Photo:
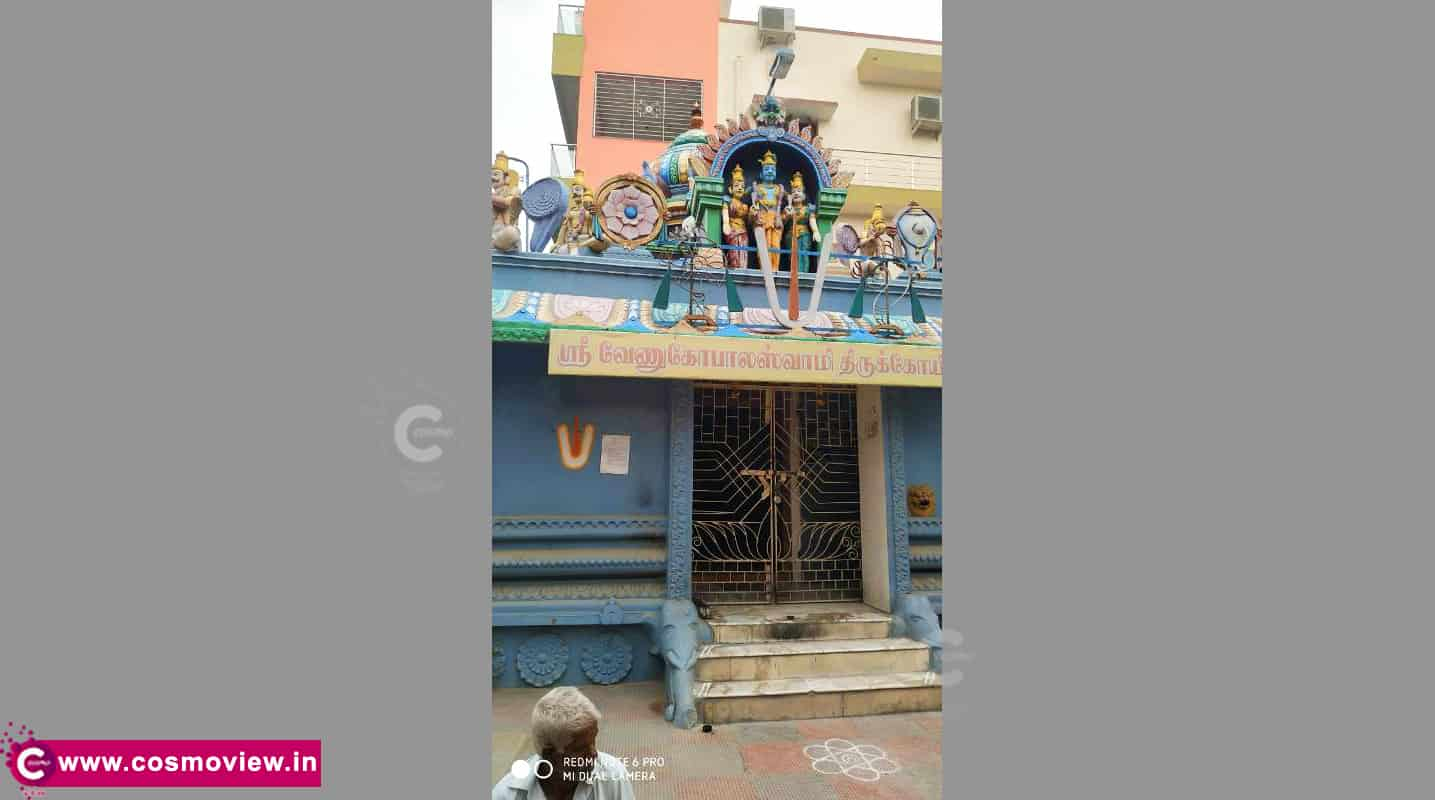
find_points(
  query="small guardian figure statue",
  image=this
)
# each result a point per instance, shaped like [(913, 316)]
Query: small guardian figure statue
[(767, 202), (735, 213), (803, 222), (878, 241), (593, 242), (576, 232), (507, 205)]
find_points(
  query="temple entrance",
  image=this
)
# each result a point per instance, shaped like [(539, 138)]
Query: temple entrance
[(776, 498)]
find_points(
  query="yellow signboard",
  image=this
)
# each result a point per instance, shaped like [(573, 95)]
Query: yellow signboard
[(723, 358)]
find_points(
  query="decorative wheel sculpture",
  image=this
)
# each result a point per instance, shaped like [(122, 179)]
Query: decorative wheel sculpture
[(542, 660), (630, 210), (607, 660)]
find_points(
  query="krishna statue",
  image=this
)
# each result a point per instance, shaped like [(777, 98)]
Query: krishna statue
[(767, 203)]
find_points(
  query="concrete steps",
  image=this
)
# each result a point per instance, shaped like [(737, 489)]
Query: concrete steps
[(809, 661), (733, 624), (818, 698), (814, 658)]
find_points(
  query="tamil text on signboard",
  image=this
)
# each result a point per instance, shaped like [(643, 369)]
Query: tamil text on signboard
[(648, 355)]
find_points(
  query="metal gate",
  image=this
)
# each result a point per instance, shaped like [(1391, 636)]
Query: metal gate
[(776, 511)]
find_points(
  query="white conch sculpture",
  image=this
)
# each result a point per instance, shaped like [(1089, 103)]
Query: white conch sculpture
[(779, 312)]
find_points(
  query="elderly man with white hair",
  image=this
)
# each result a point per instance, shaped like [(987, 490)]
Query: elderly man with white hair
[(568, 765)]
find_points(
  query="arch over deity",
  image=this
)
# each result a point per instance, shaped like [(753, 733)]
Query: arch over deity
[(743, 147)]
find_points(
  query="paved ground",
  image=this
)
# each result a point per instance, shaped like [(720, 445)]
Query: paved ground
[(745, 761)]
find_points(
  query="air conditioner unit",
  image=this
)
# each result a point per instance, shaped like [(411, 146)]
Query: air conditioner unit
[(775, 25), (927, 114)]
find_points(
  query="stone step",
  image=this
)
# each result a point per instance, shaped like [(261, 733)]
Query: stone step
[(760, 623), (810, 658), (721, 702)]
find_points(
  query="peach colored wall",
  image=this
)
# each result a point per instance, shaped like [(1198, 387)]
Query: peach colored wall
[(661, 38)]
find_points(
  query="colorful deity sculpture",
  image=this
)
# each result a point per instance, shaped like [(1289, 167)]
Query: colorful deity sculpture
[(802, 224), (576, 232), (735, 213), (767, 203), (594, 243), (879, 240), (507, 205)]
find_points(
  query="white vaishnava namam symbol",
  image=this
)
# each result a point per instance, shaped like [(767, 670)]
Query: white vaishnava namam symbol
[(575, 444), (812, 315), (861, 762)]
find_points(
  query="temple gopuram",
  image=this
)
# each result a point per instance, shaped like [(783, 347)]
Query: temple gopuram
[(717, 431)]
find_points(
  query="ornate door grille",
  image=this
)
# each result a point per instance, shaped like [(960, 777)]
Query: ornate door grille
[(776, 511)]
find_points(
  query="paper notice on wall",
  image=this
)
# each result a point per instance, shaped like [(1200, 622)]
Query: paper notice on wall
[(614, 458)]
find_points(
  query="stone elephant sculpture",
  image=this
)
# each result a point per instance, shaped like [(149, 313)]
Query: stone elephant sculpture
[(915, 619), (677, 635)]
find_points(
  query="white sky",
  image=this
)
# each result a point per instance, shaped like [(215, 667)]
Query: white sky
[(525, 111)]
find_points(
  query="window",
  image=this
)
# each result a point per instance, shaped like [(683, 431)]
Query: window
[(570, 20), (643, 107)]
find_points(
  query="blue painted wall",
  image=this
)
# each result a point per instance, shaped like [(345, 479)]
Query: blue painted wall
[(528, 404), (922, 429), (646, 667)]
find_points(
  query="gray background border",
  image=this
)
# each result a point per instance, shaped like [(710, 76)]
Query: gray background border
[(238, 239), (1188, 427)]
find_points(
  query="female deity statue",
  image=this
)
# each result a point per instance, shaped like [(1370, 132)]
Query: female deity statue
[(735, 213), (803, 222), (507, 204), (879, 240), (767, 202)]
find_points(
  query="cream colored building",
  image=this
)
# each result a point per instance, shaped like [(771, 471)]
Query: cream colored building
[(859, 91)]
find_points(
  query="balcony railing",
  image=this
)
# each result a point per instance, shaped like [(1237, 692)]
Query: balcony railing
[(896, 170), (570, 20), (561, 160)]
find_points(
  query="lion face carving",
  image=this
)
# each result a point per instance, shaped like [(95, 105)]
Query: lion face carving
[(921, 500)]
